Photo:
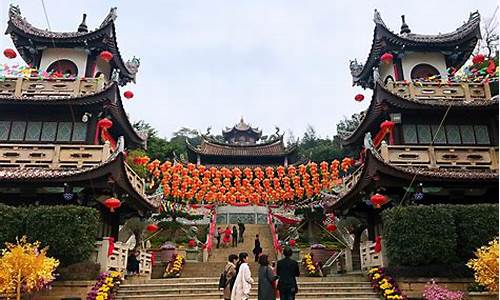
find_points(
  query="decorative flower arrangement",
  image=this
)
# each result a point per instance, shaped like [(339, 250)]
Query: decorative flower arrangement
[(385, 285), (485, 266), (105, 286), (313, 269), (175, 266), (432, 291), (236, 186)]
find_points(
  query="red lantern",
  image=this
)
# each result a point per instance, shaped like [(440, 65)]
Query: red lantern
[(152, 228), (331, 227), (477, 59), (106, 55), (105, 123), (387, 125), (9, 53), (378, 200), (386, 58), (191, 243), (292, 243), (128, 94), (359, 97), (112, 203)]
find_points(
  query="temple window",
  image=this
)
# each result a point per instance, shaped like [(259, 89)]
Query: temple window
[(421, 71), (64, 66), (38, 131), (448, 134)]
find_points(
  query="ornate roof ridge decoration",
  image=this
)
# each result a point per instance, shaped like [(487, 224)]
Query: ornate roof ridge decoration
[(464, 37), (25, 36), (242, 127), (212, 140), (383, 96)]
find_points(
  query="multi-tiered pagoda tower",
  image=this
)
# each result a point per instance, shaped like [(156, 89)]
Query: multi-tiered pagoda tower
[(241, 147), (63, 128), (427, 138)]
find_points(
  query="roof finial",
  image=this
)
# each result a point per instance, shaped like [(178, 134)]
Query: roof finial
[(83, 25), (405, 29)]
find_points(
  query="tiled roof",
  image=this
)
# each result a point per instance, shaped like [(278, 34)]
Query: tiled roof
[(465, 37), (104, 36), (273, 148)]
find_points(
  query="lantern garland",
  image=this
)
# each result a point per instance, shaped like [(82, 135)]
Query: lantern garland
[(191, 183)]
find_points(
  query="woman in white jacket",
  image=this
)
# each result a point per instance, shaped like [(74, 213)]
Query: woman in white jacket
[(243, 281)]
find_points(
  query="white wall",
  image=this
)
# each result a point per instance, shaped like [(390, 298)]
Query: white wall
[(411, 59), (77, 56), (385, 70), (103, 67)]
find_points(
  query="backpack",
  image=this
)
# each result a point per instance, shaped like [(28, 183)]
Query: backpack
[(222, 280)]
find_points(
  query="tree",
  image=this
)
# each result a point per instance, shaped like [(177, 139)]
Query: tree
[(347, 126), (356, 226), (136, 226), (24, 268), (485, 266), (489, 41)]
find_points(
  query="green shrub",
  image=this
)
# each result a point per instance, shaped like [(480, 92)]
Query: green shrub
[(12, 220), (419, 235), (475, 225), (69, 231)]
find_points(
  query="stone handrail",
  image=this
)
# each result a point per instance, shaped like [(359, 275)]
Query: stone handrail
[(33, 87), (136, 180), (459, 91), (465, 157), (369, 258), (116, 258), (350, 181), (52, 155)]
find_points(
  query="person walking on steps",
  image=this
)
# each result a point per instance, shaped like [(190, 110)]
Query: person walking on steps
[(229, 274), (243, 282), (226, 239), (266, 279), (241, 228), (287, 270), (235, 236), (257, 250), (218, 234)]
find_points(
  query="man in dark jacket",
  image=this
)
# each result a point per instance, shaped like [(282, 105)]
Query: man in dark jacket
[(287, 269)]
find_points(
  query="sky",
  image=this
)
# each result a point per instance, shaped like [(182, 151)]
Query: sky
[(278, 63)]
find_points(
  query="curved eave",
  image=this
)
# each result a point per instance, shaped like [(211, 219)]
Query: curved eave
[(114, 167), (383, 97), (25, 35), (271, 142), (374, 165), (465, 37)]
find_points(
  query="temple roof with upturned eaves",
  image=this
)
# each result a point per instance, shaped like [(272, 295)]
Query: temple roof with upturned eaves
[(456, 46), (29, 40)]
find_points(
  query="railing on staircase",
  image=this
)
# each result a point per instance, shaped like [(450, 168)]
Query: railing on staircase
[(369, 256), (276, 243), (112, 256), (207, 248)]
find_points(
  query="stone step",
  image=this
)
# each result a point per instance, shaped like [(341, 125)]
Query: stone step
[(200, 289), (218, 295), (298, 297), (341, 279)]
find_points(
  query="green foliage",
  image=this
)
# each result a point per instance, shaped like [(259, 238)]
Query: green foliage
[(69, 231), (437, 234), (417, 235), (475, 225), (138, 169), (12, 220)]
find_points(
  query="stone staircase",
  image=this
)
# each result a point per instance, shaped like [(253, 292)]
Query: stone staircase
[(346, 287), (218, 257)]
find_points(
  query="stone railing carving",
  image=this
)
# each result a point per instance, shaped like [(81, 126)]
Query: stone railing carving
[(369, 258), (467, 91), (465, 157), (135, 180), (33, 88), (115, 259), (53, 156)]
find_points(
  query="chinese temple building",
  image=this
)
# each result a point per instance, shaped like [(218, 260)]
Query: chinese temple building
[(63, 127), (427, 136), (241, 146)]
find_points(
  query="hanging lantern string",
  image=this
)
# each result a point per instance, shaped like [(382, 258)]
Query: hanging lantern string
[(430, 145)]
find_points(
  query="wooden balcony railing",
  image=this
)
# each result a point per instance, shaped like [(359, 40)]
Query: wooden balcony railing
[(370, 258), (58, 87), (464, 157), (136, 181), (460, 91), (53, 156)]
